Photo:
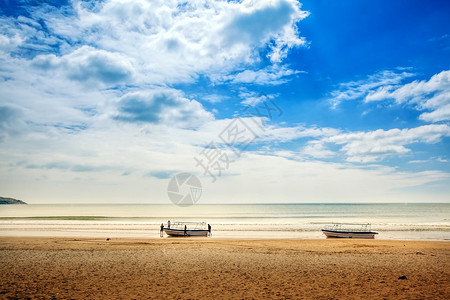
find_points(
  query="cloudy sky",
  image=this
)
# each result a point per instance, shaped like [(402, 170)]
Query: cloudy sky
[(265, 101)]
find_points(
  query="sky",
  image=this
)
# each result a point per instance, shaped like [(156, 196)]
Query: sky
[(273, 101)]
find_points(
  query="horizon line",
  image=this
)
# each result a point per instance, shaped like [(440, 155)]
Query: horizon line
[(257, 203)]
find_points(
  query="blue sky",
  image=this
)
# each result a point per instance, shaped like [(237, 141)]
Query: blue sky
[(104, 102)]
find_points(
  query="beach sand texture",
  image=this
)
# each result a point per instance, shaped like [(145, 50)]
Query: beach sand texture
[(194, 268)]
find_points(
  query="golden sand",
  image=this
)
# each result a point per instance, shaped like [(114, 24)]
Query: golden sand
[(193, 268)]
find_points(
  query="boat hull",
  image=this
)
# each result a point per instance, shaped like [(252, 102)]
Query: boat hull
[(349, 234), (180, 232)]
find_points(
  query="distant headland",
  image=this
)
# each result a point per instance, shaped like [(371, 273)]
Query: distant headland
[(4, 200)]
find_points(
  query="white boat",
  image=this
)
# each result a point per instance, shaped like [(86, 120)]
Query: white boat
[(187, 229), (349, 230)]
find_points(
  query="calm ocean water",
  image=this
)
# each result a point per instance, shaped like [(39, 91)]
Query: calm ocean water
[(392, 221)]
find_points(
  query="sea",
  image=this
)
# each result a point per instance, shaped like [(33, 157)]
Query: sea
[(406, 221)]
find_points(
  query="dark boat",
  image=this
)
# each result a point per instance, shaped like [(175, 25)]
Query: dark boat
[(186, 229), (349, 230)]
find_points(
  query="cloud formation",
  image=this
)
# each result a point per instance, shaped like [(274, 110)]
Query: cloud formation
[(119, 50), (431, 96), (165, 41), (274, 75), (371, 146), (361, 88), (87, 65), (162, 106)]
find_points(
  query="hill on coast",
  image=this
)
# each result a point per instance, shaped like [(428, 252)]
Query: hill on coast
[(4, 200)]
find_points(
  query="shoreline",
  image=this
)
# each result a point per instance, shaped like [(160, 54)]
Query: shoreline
[(186, 268), (4, 240), (167, 240), (400, 235)]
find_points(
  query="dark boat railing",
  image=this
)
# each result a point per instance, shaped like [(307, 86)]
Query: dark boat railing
[(189, 226), (349, 227)]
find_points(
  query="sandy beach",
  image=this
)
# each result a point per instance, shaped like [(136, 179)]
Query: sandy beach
[(189, 268)]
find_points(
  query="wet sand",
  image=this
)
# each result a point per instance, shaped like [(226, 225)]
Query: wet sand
[(193, 268)]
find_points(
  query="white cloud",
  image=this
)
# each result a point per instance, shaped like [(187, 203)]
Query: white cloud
[(7, 44), (25, 37), (174, 41), (430, 96), (87, 65), (214, 98), (274, 75), (49, 99), (440, 114), (262, 22), (362, 88), (427, 95), (284, 134), (376, 145), (253, 98), (418, 161), (161, 106), (317, 149), (415, 91)]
